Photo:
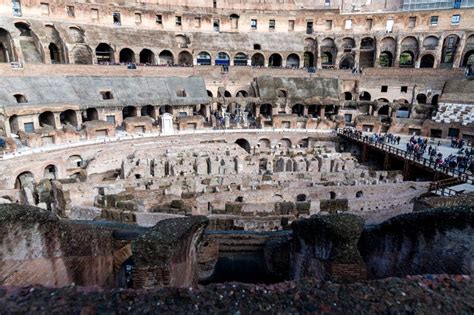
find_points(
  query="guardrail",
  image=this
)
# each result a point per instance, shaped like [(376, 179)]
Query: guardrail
[(464, 177)]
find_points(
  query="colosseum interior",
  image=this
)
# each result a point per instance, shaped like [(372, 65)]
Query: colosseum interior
[(154, 144)]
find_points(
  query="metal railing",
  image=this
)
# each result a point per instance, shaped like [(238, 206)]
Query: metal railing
[(453, 172)]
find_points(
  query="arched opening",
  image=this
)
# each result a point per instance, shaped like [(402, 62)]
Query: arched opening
[(314, 110), (427, 61), (347, 96), (54, 53), (240, 59), (20, 98), (147, 57), (332, 195), (383, 111), (23, 28), (347, 62), (166, 58), (50, 172), (308, 59), (382, 100), (264, 143), (104, 53), (227, 94), (407, 59), (430, 43), (6, 51), (421, 98), (386, 59), (185, 59), (46, 119), (68, 117), (298, 109), (367, 52), (303, 143), (204, 59), (326, 59), (468, 59), (301, 198), (258, 60), (275, 60), (282, 93), (74, 161), (359, 194), (129, 111), (242, 93), (293, 61), (82, 55), (14, 126), (450, 46), (434, 100), (127, 56), (244, 144), (209, 93), (266, 110), (285, 143), (365, 96), (23, 180), (149, 111), (90, 114), (166, 109), (222, 59)]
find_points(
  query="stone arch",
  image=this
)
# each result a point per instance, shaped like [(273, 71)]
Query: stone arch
[(298, 109), (82, 55), (148, 110), (222, 59), (244, 144), (285, 143), (55, 54), (166, 109), (275, 60), (301, 198), (308, 58), (76, 34), (240, 59), (104, 54), (430, 42), (386, 59), (185, 59), (421, 98), (50, 172), (242, 93), (209, 93), (47, 119), (6, 47), (68, 117), (407, 59), (24, 179), (450, 46), (129, 111), (383, 111), (303, 143), (204, 59), (293, 61), (90, 114), (367, 52), (468, 59), (258, 60), (359, 194), (147, 57), (327, 58), (24, 28), (166, 57), (126, 56), (347, 62), (365, 96), (74, 161), (264, 143), (14, 125), (427, 61)]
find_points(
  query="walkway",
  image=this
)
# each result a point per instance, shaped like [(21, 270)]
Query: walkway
[(398, 151)]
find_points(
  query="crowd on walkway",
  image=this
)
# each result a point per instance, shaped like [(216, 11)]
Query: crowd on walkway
[(462, 161)]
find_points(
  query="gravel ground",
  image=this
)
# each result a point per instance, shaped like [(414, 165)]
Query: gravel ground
[(429, 294)]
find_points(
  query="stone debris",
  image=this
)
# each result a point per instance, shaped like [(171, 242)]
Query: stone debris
[(427, 294)]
